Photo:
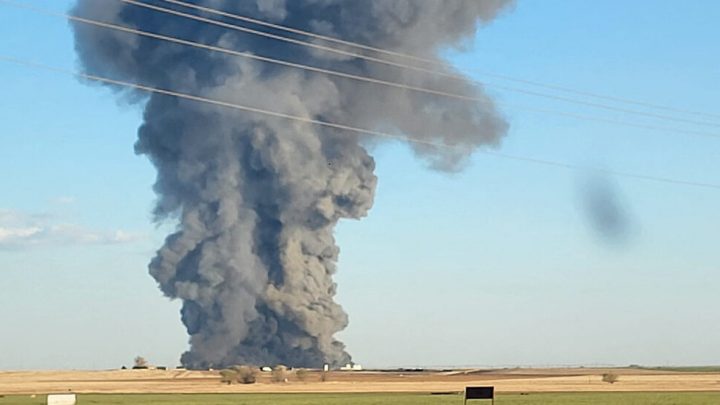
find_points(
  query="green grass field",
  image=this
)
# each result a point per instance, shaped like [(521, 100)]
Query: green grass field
[(377, 399)]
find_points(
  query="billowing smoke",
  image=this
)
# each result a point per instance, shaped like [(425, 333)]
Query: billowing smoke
[(257, 199)]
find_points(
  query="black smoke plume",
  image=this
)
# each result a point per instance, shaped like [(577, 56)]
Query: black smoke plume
[(256, 199)]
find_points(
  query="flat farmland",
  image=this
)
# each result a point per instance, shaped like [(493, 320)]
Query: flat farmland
[(616, 398), (510, 381)]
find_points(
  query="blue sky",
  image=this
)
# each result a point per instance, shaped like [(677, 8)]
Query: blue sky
[(496, 265)]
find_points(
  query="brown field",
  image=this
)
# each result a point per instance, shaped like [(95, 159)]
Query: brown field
[(505, 381)]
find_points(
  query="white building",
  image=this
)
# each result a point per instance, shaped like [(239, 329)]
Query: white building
[(352, 367)]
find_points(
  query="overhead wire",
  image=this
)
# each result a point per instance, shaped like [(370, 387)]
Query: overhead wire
[(431, 61), (339, 126), (343, 127), (444, 65), (448, 75), (346, 75)]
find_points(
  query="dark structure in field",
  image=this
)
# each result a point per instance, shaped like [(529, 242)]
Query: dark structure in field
[(256, 198)]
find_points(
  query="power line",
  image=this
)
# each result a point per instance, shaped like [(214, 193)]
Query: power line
[(452, 76), (312, 121), (247, 54), (431, 61), (298, 31), (345, 75)]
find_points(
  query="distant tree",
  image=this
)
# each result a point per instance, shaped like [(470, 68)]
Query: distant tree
[(228, 376), (610, 378), (245, 374), (140, 362), (279, 373), (301, 374)]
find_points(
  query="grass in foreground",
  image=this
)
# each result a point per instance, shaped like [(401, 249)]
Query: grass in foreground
[(635, 398)]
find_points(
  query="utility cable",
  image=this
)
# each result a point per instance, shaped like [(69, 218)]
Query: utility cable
[(312, 121), (444, 66), (346, 75)]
